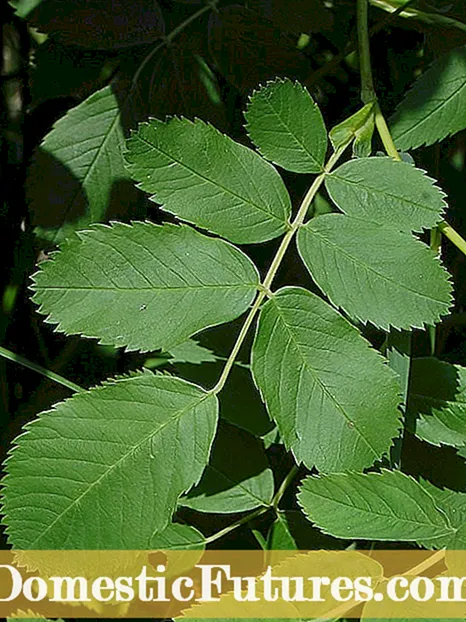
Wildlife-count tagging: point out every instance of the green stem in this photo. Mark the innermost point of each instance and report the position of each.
(264, 290)
(384, 131)
(384, 134)
(17, 358)
(367, 84)
(453, 236)
(262, 510)
(434, 19)
(351, 47)
(210, 6)
(238, 523)
(284, 486)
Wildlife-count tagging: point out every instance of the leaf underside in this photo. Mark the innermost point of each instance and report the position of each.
(143, 286)
(374, 273)
(202, 176)
(104, 469)
(334, 400)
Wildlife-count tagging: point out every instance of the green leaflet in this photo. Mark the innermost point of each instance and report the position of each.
(387, 192)
(232, 483)
(437, 395)
(373, 506)
(176, 536)
(143, 286)
(83, 153)
(279, 536)
(332, 397)
(105, 468)
(205, 178)
(287, 127)
(452, 504)
(374, 273)
(24, 7)
(430, 111)
(191, 352)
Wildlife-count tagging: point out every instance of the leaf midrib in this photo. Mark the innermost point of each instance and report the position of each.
(369, 268)
(287, 127)
(384, 193)
(321, 384)
(99, 151)
(451, 530)
(426, 118)
(126, 455)
(145, 289)
(214, 183)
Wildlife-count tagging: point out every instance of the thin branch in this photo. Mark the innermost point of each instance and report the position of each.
(17, 358)
(264, 289)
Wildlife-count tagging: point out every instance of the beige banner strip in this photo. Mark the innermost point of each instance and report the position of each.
(233, 584)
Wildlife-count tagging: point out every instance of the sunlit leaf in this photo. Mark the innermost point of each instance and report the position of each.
(204, 177)
(373, 506)
(143, 286)
(375, 273)
(287, 127)
(332, 397)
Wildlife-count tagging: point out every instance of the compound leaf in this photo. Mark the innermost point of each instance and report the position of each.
(430, 111)
(373, 506)
(104, 469)
(375, 273)
(143, 286)
(332, 397)
(84, 153)
(437, 395)
(287, 126)
(387, 192)
(237, 478)
(205, 178)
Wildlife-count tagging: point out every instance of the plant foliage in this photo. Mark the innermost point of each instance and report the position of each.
(292, 377)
